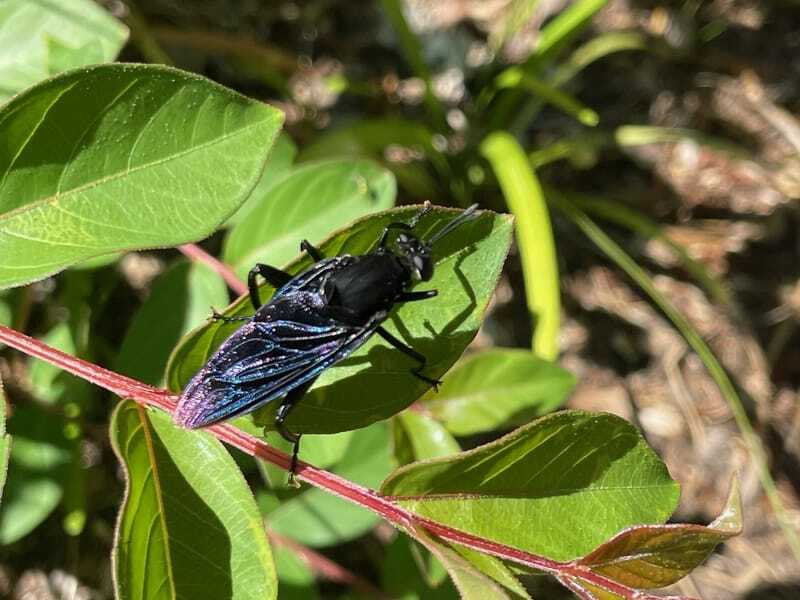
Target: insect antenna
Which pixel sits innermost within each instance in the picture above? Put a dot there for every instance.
(463, 217)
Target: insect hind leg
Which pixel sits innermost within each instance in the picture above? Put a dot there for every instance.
(284, 409)
(216, 316)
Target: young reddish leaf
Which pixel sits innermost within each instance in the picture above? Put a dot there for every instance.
(654, 556)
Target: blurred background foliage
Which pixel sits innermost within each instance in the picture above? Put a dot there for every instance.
(663, 140)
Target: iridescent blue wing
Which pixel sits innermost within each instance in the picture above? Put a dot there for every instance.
(313, 278)
(289, 342)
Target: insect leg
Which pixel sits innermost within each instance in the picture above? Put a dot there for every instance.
(220, 317)
(414, 296)
(313, 252)
(409, 351)
(280, 419)
(275, 277)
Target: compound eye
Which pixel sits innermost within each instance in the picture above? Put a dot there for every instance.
(402, 238)
(419, 263)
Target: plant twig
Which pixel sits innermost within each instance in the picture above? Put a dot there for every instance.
(325, 567)
(127, 387)
(197, 254)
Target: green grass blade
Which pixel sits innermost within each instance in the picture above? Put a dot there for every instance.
(524, 197)
(619, 214)
(516, 77)
(754, 445)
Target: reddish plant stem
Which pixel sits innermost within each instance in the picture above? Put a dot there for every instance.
(325, 567)
(196, 253)
(367, 498)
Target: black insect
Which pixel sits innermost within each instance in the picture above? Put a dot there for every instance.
(314, 320)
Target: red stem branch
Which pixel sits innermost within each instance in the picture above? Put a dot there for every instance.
(196, 253)
(367, 498)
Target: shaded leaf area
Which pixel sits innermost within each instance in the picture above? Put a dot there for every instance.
(308, 203)
(123, 157)
(403, 574)
(5, 442)
(497, 389)
(180, 298)
(654, 556)
(494, 568)
(316, 518)
(189, 527)
(537, 487)
(279, 164)
(39, 38)
(416, 436)
(40, 458)
(375, 382)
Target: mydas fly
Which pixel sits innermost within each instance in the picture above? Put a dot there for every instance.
(314, 319)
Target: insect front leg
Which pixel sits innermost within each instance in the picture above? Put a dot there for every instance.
(313, 252)
(284, 409)
(409, 351)
(275, 277)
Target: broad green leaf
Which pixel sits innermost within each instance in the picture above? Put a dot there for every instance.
(120, 157)
(5, 441)
(417, 437)
(279, 164)
(375, 382)
(39, 38)
(654, 556)
(188, 527)
(498, 388)
(538, 487)
(39, 461)
(308, 203)
(180, 299)
(524, 197)
(317, 518)
(5, 311)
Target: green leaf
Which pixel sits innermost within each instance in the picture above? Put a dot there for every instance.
(279, 164)
(524, 197)
(180, 299)
(417, 437)
(39, 461)
(5, 441)
(496, 389)
(308, 203)
(188, 527)
(318, 519)
(39, 38)
(117, 157)
(539, 487)
(468, 264)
